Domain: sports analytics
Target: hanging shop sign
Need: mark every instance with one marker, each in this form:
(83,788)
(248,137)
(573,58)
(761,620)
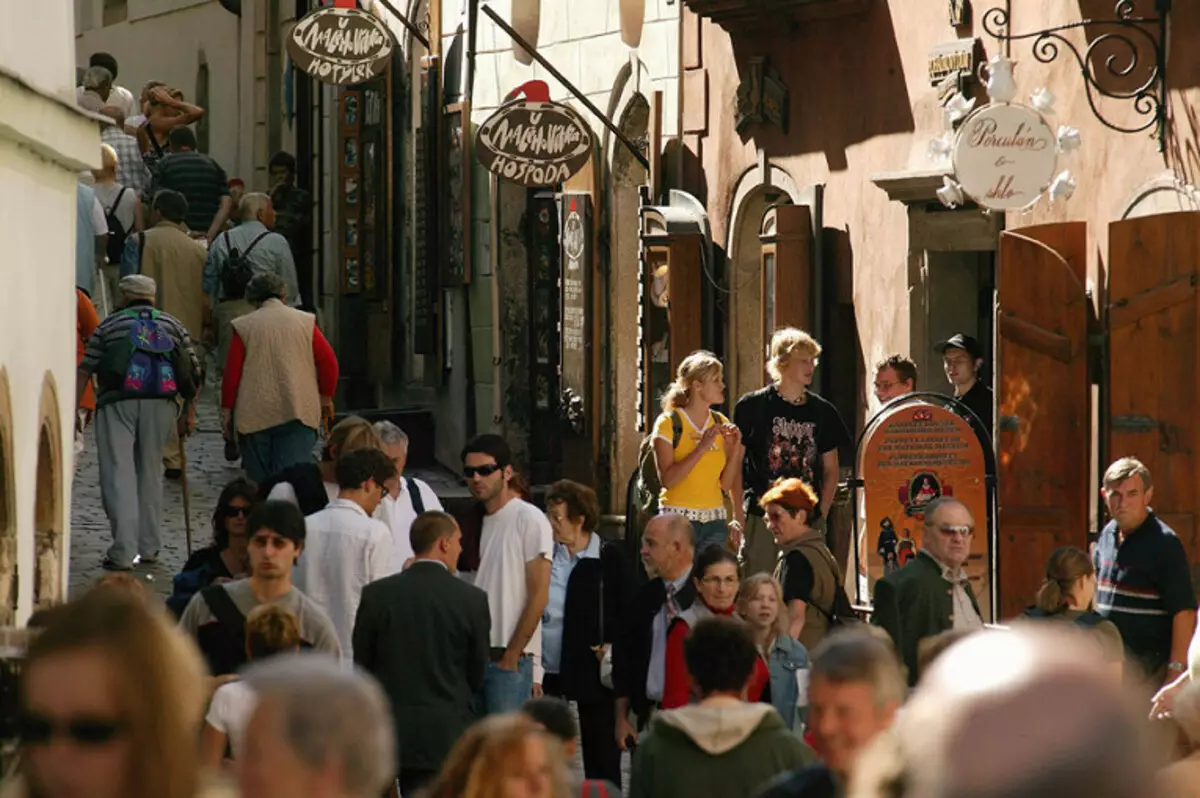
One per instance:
(534,142)
(1005,156)
(912,455)
(341,45)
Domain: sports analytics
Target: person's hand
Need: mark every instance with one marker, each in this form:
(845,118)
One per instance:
(710,435)
(327,411)
(509,661)
(161,95)
(625,730)
(733,435)
(537,691)
(600,651)
(736,531)
(1163,702)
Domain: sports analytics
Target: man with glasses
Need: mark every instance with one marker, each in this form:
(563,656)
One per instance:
(894,377)
(515,550)
(931,594)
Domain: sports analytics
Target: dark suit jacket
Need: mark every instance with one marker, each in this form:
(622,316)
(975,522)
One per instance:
(914,603)
(631,653)
(583,624)
(424,634)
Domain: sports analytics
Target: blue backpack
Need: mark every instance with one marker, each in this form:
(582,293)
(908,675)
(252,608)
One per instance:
(147,364)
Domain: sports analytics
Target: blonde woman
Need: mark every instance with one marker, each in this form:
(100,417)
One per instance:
(788,431)
(697,450)
(503,756)
(760,604)
(111,700)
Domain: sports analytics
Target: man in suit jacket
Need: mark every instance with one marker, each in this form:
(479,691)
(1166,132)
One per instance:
(424,635)
(639,652)
(931,593)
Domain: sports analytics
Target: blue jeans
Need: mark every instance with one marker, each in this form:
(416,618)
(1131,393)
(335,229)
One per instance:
(506,691)
(710,533)
(269,451)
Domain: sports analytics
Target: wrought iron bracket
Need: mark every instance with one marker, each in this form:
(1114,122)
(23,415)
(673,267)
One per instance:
(1128,34)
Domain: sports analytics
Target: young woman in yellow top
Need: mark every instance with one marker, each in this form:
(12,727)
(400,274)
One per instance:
(708,454)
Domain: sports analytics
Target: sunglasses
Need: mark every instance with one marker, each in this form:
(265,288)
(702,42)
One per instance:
(483,470)
(234,512)
(38,730)
(950,531)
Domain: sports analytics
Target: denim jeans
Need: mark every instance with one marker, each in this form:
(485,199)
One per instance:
(710,533)
(269,451)
(506,691)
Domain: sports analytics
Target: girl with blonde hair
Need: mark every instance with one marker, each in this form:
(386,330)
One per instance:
(503,756)
(760,604)
(697,450)
(111,700)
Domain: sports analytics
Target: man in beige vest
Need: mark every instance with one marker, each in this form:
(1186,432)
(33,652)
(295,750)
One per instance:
(279,381)
(175,261)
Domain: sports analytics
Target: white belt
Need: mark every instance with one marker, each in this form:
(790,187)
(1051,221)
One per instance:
(699,516)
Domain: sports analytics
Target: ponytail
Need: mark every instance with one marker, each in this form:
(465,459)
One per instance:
(1050,597)
(1066,566)
(696,367)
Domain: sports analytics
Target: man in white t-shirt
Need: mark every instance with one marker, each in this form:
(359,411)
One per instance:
(346,549)
(514,570)
(405,498)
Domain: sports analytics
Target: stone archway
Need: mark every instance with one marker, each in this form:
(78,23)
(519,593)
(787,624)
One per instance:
(48,510)
(9,576)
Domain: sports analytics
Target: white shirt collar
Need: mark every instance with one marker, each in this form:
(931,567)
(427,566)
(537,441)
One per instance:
(346,504)
(430,559)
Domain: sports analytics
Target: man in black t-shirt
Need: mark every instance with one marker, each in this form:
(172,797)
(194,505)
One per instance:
(963,359)
(788,431)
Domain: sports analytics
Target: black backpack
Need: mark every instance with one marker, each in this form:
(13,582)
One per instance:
(237,271)
(840,612)
(116,231)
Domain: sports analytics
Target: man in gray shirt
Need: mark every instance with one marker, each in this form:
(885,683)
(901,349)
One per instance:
(253,238)
(216,615)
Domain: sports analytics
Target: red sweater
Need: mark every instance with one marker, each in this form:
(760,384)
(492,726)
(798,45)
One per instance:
(326,361)
(677,690)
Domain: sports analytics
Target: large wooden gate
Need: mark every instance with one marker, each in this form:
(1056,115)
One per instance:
(1043,429)
(1154,360)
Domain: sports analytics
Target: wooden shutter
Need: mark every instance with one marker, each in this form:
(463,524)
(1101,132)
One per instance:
(1043,429)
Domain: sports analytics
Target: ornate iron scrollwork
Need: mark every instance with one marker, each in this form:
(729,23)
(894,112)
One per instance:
(1126,34)
(570,409)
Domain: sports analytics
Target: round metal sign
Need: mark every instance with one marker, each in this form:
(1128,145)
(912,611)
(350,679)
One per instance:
(536,144)
(1005,156)
(341,45)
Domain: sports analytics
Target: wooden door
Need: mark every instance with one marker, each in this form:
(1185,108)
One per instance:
(1043,429)
(1153,358)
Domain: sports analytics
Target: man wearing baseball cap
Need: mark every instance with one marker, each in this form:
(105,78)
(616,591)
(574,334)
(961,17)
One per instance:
(963,358)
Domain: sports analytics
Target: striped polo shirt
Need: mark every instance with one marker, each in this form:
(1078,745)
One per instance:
(114,331)
(1141,583)
(198,178)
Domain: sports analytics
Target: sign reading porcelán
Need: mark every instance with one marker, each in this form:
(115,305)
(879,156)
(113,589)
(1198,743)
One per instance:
(912,455)
(342,46)
(1005,156)
(533,141)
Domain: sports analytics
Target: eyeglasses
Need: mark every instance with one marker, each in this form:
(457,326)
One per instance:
(950,530)
(714,581)
(233,511)
(38,730)
(885,386)
(483,470)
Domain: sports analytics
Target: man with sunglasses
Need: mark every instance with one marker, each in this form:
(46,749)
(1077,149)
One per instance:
(931,594)
(515,551)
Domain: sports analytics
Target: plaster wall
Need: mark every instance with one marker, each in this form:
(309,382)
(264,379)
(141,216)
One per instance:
(861,104)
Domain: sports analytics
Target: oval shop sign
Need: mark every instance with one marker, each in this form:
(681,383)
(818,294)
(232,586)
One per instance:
(1005,156)
(340,45)
(535,144)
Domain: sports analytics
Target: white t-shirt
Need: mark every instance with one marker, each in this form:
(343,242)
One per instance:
(99,223)
(229,712)
(515,535)
(106,195)
(398,513)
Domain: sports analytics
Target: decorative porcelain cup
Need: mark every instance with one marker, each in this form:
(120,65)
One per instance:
(999,80)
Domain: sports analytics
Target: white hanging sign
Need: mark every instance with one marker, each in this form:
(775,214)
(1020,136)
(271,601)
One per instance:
(1005,156)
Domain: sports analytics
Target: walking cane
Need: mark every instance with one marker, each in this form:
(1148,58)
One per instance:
(183,481)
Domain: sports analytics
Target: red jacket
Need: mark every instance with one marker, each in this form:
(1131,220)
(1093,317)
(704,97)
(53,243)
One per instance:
(677,688)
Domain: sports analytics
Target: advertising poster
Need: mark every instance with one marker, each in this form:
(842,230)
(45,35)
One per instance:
(912,455)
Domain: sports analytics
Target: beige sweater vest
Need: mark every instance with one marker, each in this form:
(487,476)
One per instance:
(279,376)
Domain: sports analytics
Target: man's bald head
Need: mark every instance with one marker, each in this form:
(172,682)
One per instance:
(668,545)
(1015,714)
(115,114)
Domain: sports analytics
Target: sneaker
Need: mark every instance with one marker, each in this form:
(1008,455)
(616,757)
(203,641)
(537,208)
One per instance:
(146,559)
(112,565)
(232,452)
(174,474)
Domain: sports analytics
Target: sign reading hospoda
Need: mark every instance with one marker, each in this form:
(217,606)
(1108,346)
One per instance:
(342,46)
(533,141)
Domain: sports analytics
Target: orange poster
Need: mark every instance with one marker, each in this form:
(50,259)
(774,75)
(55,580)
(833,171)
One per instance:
(912,455)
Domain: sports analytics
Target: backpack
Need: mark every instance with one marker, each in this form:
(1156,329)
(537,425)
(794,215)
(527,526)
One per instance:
(148,363)
(116,231)
(237,271)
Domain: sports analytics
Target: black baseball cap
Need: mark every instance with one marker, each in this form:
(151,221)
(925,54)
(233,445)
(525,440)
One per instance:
(960,341)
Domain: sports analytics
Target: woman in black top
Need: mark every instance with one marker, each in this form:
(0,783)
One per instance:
(227,558)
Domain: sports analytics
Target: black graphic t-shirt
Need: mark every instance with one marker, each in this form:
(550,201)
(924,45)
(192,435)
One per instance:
(785,440)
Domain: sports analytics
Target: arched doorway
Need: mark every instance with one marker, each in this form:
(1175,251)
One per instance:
(48,506)
(9,583)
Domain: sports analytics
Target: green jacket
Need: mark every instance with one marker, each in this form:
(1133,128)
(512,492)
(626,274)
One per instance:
(723,751)
(914,603)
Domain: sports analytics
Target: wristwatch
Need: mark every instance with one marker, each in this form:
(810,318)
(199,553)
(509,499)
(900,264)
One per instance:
(1176,667)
